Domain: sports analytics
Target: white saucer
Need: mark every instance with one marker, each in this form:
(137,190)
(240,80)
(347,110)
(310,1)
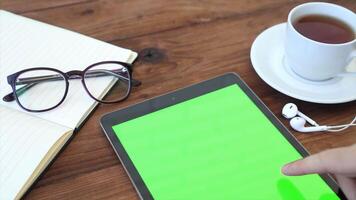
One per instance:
(267,57)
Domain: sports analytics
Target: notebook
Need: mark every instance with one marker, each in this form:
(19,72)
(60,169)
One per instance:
(29,141)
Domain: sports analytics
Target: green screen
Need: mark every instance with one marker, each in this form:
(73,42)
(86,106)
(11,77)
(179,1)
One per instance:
(215,146)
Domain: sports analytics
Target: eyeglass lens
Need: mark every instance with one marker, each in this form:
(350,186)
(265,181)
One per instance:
(98,77)
(40,89)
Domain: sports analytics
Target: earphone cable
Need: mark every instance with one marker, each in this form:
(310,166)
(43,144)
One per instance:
(342,127)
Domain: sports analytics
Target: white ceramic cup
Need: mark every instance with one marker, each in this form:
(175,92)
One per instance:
(314,60)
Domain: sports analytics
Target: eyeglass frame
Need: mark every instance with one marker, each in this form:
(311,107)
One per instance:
(11,79)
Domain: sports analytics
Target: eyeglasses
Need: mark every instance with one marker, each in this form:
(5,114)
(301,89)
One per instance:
(43,89)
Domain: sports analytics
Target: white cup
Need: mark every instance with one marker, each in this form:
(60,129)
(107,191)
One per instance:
(314,60)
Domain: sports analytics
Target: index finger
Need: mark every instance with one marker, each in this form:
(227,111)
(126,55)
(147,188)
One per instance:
(336,161)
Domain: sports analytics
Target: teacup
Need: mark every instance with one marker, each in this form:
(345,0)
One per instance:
(315,60)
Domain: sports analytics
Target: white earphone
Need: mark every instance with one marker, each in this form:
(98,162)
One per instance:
(290,110)
(298,124)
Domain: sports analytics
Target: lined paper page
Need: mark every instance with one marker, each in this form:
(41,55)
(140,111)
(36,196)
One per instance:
(26,43)
(24,142)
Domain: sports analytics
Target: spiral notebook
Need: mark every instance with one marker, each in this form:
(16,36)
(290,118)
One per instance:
(29,141)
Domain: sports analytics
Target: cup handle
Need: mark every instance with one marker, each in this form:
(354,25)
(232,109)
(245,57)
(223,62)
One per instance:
(352,57)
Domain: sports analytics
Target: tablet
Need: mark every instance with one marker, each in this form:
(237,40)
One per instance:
(211,140)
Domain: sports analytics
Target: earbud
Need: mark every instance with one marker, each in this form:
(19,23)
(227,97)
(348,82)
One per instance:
(298,124)
(290,110)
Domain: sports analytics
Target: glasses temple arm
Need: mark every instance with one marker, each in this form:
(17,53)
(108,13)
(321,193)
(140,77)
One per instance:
(96,73)
(28,83)
(11,97)
(104,72)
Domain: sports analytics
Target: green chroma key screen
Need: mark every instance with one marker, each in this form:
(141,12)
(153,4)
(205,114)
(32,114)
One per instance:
(215,146)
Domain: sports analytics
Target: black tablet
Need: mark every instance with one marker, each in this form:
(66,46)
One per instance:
(211,140)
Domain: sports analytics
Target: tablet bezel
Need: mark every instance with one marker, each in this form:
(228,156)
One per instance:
(111,119)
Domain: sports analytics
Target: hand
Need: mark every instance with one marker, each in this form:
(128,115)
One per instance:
(340,162)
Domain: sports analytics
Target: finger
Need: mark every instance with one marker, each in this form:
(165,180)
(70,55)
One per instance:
(336,161)
(347,185)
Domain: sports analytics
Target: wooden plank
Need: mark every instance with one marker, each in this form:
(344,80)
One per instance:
(128,19)
(22,6)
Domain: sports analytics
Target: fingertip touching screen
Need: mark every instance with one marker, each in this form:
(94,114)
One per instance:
(215,146)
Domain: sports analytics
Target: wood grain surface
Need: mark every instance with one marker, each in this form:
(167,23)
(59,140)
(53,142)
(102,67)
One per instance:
(179,43)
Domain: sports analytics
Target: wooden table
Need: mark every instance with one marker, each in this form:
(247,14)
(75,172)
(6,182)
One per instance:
(179,43)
